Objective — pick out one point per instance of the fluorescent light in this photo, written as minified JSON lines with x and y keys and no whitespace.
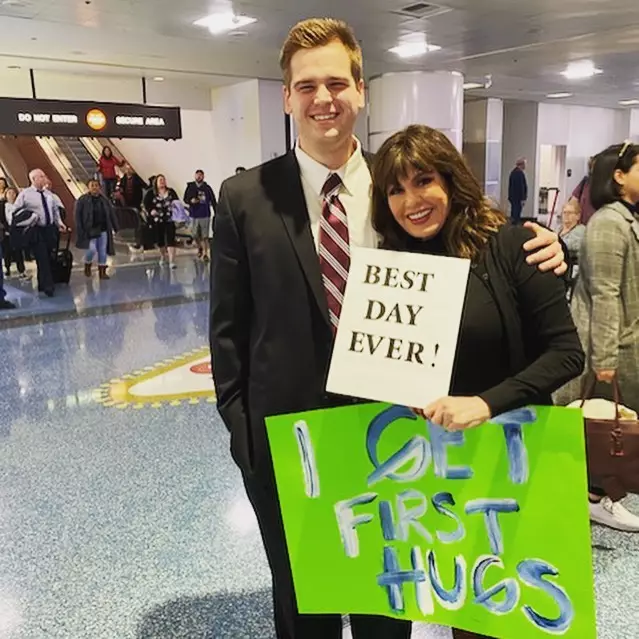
{"x":473,"y":85}
{"x":581,"y":70}
{"x":158,"y":78}
{"x":222,"y":22}
{"x":559,"y":95}
{"x":629,"y":102}
{"x":413,"y":49}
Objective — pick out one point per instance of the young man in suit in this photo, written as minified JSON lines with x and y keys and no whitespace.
{"x":277,"y":274}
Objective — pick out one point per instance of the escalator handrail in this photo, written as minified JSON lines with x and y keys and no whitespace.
{"x":69,"y":150}
{"x":56,"y":152}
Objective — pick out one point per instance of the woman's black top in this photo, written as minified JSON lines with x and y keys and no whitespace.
{"x":509,"y":301}
{"x":162,"y":205}
{"x":633,"y":208}
{"x":98,"y":217}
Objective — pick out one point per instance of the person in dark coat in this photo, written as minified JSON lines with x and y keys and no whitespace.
{"x":516,"y":319}
{"x":517,"y":190}
{"x":131,"y":194}
{"x":95,"y":224}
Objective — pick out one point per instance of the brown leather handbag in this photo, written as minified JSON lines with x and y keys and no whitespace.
{"x":612,"y":447}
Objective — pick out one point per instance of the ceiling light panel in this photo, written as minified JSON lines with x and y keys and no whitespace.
{"x":558,"y":96}
{"x":581,"y":70}
{"x":413,"y":49}
{"x":218,"y":23}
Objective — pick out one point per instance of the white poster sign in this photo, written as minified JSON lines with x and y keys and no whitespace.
{"x":399,"y":326}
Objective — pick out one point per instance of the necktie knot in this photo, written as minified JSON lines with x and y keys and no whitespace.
{"x":331,"y":186}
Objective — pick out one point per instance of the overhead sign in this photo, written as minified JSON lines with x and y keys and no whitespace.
{"x":399,"y":325}
{"x":485,"y":530}
{"x":21,"y":116}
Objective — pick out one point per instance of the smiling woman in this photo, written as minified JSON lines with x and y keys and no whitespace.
{"x":426,"y":200}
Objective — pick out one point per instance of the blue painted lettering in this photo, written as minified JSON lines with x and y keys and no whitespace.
{"x":307,"y":457}
{"x":347,"y":521}
{"x":485,"y":596}
{"x":532,"y":573}
{"x":490,"y":508}
{"x":454,"y":598}
{"x":386,"y":517}
{"x":393,"y":579}
{"x":416,"y":450}
{"x":513,"y":422}
{"x":408,"y":517}
{"x":438,"y":502}
{"x":440,"y":439}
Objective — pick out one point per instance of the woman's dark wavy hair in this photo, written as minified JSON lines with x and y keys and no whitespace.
{"x":604,"y":189}
{"x":471,"y":221}
{"x":155,"y":182}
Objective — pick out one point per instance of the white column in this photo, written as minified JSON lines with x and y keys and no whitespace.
{"x":416,"y":97}
{"x":483,"y":135}
{"x":634,"y":125}
{"x":272,"y":119}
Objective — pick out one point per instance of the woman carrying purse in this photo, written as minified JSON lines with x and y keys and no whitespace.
{"x":605,"y":305}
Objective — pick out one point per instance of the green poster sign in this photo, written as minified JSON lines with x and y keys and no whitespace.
{"x":485,"y":530}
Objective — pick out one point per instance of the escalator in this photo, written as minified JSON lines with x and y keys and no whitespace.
{"x":82,"y":162}
{"x":21,"y":154}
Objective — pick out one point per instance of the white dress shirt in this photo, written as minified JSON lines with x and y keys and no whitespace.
{"x":31,"y":199}
{"x":355,"y":195}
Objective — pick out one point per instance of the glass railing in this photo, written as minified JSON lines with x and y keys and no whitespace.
{"x":93,"y":146}
{"x":62,"y":165}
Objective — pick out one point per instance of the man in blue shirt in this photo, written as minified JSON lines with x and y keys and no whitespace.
{"x":49,"y":224}
{"x":201,"y":199}
{"x":517,"y":190}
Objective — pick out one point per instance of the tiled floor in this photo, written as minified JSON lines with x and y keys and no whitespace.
{"x":121,"y":522}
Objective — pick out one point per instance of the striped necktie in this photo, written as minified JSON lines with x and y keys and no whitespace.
{"x":334,"y":250}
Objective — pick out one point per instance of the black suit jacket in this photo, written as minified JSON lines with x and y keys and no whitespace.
{"x":270,"y":334}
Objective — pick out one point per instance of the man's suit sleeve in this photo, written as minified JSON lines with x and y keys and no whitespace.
{"x":213,"y":200}
{"x":230,"y":317}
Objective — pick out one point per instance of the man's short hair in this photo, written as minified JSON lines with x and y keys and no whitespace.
{"x":318,"y":32}
{"x":32,"y":172}
{"x":92,"y":180}
{"x":200,"y":171}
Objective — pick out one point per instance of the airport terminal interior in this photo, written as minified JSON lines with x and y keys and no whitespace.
{"x":122,"y":512}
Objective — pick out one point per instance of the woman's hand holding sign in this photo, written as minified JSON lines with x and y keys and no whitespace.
{"x":457,"y":413}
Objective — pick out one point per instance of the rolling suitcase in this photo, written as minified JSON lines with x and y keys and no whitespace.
{"x":62,"y":262}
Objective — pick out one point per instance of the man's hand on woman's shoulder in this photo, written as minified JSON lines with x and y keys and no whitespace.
{"x":545,"y":250}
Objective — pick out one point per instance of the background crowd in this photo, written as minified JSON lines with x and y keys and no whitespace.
{"x":32,"y":220}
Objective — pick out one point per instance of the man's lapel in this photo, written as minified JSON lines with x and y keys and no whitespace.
{"x":286,"y":193}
